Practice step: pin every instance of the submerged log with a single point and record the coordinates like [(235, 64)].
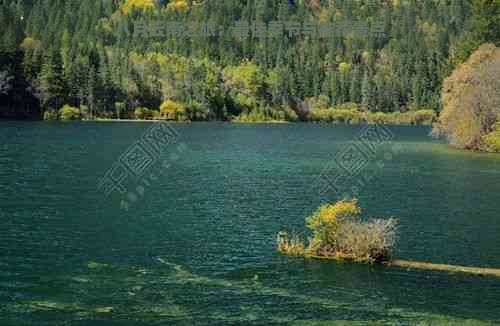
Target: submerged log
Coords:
[(444, 267), (480, 271)]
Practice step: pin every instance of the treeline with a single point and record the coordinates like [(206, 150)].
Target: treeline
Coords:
[(71, 56)]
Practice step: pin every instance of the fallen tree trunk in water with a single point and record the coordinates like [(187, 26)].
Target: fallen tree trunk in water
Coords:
[(443, 267), (480, 271)]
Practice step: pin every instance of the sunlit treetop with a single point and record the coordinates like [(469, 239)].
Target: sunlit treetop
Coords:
[(127, 5), (178, 5)]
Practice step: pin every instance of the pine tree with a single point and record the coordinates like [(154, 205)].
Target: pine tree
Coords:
[(367, 92), (50, 82)]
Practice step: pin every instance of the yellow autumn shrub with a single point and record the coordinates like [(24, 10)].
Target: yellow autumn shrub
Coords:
[(324, 222)]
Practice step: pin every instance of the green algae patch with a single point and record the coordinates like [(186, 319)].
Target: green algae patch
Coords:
[(80, 279), (168, 311), (54, 306), (95, 265), (104, 310), (48, 305), (153, 301)]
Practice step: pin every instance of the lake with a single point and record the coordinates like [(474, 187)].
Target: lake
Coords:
[(185, 234)]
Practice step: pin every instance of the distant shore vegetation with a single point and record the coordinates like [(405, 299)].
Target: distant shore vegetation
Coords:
[(170, 110), (69, 52), (339, 233)]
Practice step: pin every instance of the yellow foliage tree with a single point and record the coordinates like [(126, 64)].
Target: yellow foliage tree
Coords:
[(171, 110), (471, 99), (30, 43), (143, 113), (246, 78), (344, 67), (180, 5), (127, 6), (68, 112)]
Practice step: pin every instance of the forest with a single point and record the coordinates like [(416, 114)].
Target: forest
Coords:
[(65, 59)]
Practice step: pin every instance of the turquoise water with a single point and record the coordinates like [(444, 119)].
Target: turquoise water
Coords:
[(196, 245)]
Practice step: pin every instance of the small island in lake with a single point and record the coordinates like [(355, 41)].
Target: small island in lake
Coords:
[(339, 233)]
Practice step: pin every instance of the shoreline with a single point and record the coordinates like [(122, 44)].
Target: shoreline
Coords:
[(176, 121), (252, 122)]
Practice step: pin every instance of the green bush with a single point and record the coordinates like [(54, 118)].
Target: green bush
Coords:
[(195, 111), (267, 114), (290, 114), (119, 109), (68, 112), (50, 115), (318, 103), (85, 112), (425, 117), (245, 102), (491, 141), (350, 113), (143, 113)]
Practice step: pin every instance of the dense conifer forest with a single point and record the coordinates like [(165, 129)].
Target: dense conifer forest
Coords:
[(67, 54)]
